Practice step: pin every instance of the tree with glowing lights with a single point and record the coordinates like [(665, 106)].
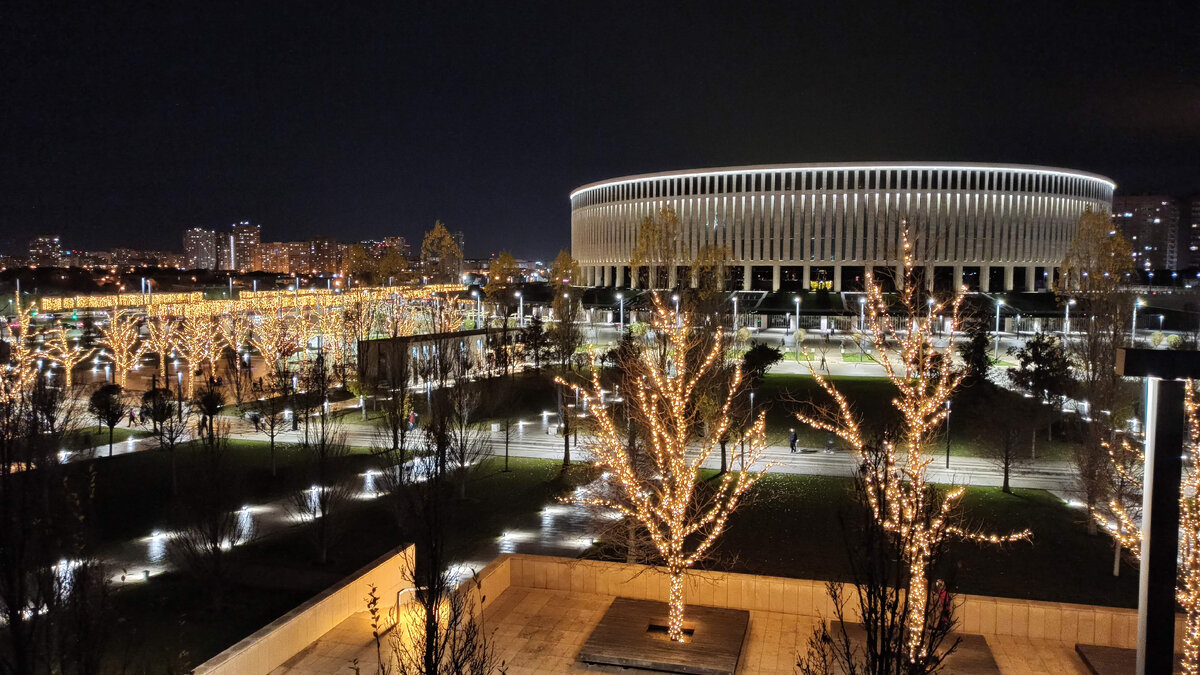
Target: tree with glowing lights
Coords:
[(234, 327), (161, 335), (682, 519), (277, 335), (914, 516), (121, 340), (18, 377), (66, 352), (1123, 520), (198, 344)]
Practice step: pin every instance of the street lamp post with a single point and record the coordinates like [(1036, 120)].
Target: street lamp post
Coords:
[(621, 313), (1133, 326), (1067, 320), (947, 433), (1160, 322), (996, 351), (796, 334), (520, 310), (735, 316), (862, 315)]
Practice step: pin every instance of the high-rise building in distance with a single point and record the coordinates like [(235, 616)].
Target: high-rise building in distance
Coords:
[(1151, 224), (1190, 233), (45, 250), (237, 249), (200, 249)]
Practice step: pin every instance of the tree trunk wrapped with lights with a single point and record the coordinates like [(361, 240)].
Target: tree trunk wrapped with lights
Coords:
[(18, 375), (121, 340), (66, 352), (663, 389), (894, 473)]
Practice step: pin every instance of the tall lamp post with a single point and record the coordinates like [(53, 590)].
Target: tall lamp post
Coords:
[(996, 351), (1067, 320), (796, 333), (621, 313), (862, 315), (520, 310), (1133, 326), (735, 316), (947, 433)]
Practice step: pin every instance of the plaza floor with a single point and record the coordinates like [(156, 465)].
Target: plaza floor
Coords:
[(539, 631)]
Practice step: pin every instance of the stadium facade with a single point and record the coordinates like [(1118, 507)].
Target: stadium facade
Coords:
[(995, 227)]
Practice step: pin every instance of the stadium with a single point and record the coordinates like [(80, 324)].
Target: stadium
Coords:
[(993, 227)]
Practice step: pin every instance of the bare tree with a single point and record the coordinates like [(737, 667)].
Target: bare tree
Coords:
[(107, 405), (42, 528), (269, 410), (207, 516), (324, 448)]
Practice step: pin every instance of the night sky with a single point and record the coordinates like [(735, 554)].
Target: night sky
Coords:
[(122, 126)]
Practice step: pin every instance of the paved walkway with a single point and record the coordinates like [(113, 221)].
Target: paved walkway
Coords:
[(541, 631)]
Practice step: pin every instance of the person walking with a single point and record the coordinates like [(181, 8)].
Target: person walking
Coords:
[(792, 439)]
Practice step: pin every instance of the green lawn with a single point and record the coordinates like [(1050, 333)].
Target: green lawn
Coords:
[(88, 437), (793, 527), (975, 413), (857, 357), (171, 614), (133, 491)]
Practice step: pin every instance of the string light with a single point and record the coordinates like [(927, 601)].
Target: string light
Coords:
[(898, 495), (64, 353), (663, 397), (161, 335), (121, 340), (19, 373)]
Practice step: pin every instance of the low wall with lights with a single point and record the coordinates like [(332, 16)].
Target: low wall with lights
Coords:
[(268, 648), (1083, 624)]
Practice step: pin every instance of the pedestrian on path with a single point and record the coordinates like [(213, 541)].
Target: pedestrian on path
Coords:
[(792, 439)]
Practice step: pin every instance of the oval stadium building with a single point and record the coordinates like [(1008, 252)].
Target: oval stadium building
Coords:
[(994, 227)]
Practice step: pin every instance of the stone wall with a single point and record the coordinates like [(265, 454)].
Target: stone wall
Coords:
[(269, 647), (1086, 624)]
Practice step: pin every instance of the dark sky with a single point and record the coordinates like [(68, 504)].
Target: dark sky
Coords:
[(124, 125)]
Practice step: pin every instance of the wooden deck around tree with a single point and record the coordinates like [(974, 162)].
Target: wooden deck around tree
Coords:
[(972, 657), (1114, 660), (622, 639)]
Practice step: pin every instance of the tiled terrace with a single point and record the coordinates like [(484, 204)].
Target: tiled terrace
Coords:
[(541, 631)]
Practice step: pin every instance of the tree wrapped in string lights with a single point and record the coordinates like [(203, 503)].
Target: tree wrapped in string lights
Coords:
[(66, 352), (198, 344), (663, 386), (1128, 460), (917, 516), (161, 335), (121, 340), (234, 327), (17, 376), (277, 335)]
